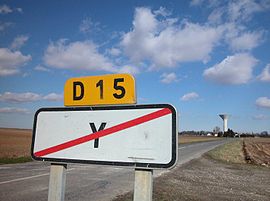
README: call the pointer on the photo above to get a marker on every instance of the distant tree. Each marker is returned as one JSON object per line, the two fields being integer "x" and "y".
{"x": 264, "y": 134}
{"x": 220, "y": 134}
{"x": 202, "y": 133}
{"x": 196, "y": 133}
{"x": 229, "y": 133}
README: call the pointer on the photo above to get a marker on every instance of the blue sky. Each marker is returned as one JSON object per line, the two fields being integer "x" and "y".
{"x": 205, "y": 57}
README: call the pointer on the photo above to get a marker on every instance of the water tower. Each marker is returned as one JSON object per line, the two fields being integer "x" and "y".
{"x": 225, "y": 121}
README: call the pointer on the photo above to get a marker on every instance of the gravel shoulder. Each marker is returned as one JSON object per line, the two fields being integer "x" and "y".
{"x": 209, "y": 179}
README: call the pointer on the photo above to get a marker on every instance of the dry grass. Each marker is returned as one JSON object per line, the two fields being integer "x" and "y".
{"x": 231, "y": 152}
{"x": 15, "y": 143}
{"x": 183, "y": 139}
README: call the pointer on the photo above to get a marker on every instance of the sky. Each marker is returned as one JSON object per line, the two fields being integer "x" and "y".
{"x": 205, "y": 57}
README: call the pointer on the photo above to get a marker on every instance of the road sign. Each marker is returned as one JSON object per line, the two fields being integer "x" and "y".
{"x": 100, "y": 90}
{"x": 142, "y": 136}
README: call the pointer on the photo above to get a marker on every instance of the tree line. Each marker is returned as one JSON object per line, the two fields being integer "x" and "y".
{"x": 230, "y": 133}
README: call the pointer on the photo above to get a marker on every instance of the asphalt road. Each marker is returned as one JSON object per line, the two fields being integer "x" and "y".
{"x": 30, "y": 181}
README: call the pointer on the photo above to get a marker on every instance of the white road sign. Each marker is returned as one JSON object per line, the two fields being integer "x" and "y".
{"x": 143, "y": 136}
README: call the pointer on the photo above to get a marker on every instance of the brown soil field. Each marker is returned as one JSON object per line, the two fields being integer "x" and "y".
{"x": 257, "y": 151}
{"x": 183, "y": 139}
{"x": 15, "y": 142}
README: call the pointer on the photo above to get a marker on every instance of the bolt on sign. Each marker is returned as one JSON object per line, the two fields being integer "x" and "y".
{"x": 140, "y": 136}
{"x": 100, "y": 90}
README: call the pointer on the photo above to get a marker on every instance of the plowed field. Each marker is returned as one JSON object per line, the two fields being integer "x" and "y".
{"x": 257, "y": 151}
{"x": 15, "y": 142}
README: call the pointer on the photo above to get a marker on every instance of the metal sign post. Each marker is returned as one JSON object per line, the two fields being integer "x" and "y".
{"x": 143, "y": 185}
{"x": 57, "y": 182}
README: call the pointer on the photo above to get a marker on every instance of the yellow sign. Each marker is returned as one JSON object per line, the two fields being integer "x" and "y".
{"x": 100, "y": 90}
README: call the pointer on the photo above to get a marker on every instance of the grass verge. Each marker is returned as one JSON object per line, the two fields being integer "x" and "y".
{"x": 22, "y": 159}
{"x": 231, "y": 152}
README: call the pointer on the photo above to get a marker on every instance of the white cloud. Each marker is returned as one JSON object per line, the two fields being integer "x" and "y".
{"x": 239, "y": 38}
{"x": 215, "y": 16}
{"x": 4, "y": 25}
{"x": 163, "y": 12}
{"x": 265, "y": 75}
{"x": 114, "y": 51}
{"x": 196, "y": 2}
{"x": 128, "y": 69}
{"x": 167, "y": 44}
{"x": 85, "y": 25}
{"x": 11, "y": 61}
{"x": 236, "y": 69}
{"x": 143, "y": 26}
{"x": 83, "y": 55}
{"x": 9, "y": 110}
{"x": 236, "y": 11}
{"x": 246, "y": 41}
{"x": 190, "y": 96}
{"x": 232, "y": 17}
{"x": 243, "y": 10}
{"x": 263, "y": 102}
{"x": 88, "y": 26}
{"x": 76, "y": 55}
{"x": 20, "y": 10}
{"x": 4, "y": 9}
{"x": 28, "y": 97}
{"x": 53, "y": 97}
{"x": 168, "y": 78}
{"x": 18, "y": 42}
{"x": 19, "y": 97}
{"x": 42, "y": 68}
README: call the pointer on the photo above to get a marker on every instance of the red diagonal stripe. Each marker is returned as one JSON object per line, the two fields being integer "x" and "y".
{"x": 102, "y": 133}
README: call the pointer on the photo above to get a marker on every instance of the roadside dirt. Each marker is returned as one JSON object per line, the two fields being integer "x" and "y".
{"x": 206, "y": 179}
{"x": 257, "y": 151}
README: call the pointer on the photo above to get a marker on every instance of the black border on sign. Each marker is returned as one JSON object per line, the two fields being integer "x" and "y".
{"x": 174, "y": 156}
